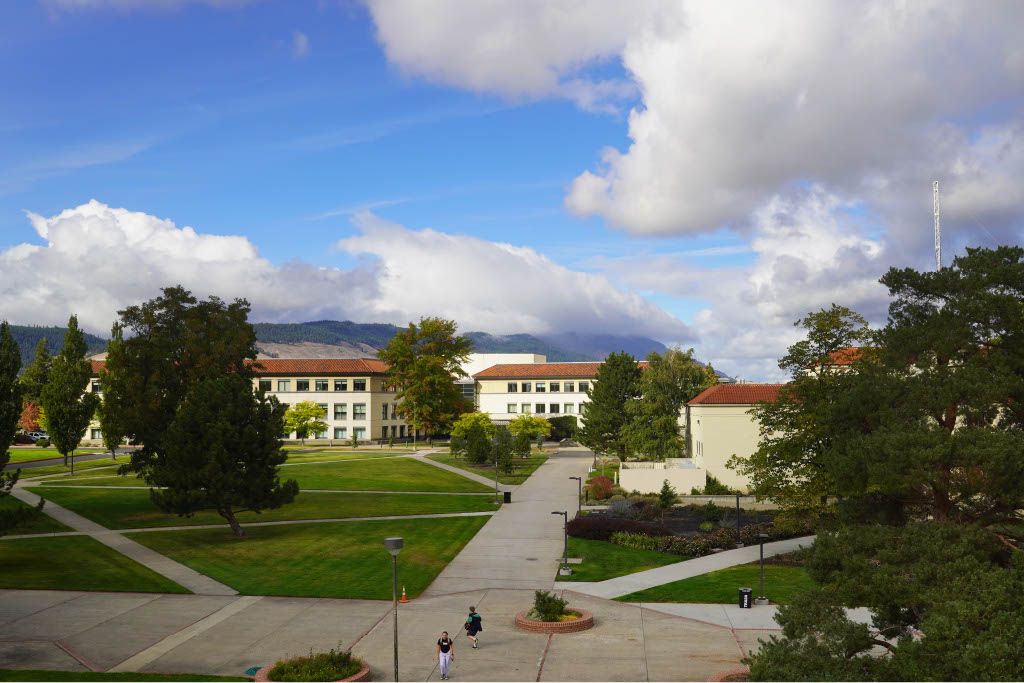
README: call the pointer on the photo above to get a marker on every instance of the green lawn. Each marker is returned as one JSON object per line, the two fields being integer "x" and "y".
{"x": 40, "y": 675}
{"x": 603, "y": 560}
{"x": 318, "y": 456}
{"x": 379, "y": 475}
{"x": 781, "y": 582}
{"x": 131, "y": 508}
{"x": 524, "y": 467}
{"x": 40, "y": 524}
{"x": 80, "y": 466}
{"x": 35, "y": 453}
{"x": 335, "y": 560}
{"x": 75, "y": 563}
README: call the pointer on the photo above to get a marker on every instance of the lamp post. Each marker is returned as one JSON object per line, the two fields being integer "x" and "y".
{"x": 761, "y": 599}
{"x": 394, "y": 545}
{"x": 739, "y": 543}
{"x": 579, "y": 503}
{"x": 565, "y": 536}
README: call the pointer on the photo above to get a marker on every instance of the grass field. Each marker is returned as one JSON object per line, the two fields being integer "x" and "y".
{"x": 781, "y": 583}
{"x": 80, "y": 466}
{"x": 603, "y": 560}
{"x": 29, "y": 453}
{"x": 379, "y": 475}
{"x": 40, "y": 675}
{"x": 524, "y": 467}
{"x": 131, "y": 508}
{"x": 335, "y": 560}
{"x": 75, "y": 563}
{"x": 40, "y": 524}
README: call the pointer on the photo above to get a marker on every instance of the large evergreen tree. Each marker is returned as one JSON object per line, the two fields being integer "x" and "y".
{"x": 604, "y": 415}
{"x": 423, "y": 362}
{"x": 68, "y": 406}
{"x": 160, "y": 350}
{"x": 221, "y": 452}
{"x": 37, "y": 373}
{"x": 920, "y": 446}
{"x": 669, "y": 381}
{"x": 10, "y": 411}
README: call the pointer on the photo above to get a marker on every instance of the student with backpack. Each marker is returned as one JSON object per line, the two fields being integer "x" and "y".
{"x": 474, "y": 624}
{"x": 445, "y": 653}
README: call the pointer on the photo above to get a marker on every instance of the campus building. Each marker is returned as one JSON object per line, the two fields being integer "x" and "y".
{"x": 507, "y": 390}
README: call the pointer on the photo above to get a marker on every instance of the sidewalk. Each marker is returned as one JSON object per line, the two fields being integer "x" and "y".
{"x": 421, "y": 456}
{"x": 519, "y": 547}
{"x": 630, "y": 583}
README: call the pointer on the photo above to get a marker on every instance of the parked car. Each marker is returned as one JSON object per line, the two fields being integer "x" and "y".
{"x": 35, "y": 436}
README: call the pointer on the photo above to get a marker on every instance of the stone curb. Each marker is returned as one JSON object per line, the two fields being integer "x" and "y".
{"x": 263, "y": 675}
{"x": 586, "y": 621}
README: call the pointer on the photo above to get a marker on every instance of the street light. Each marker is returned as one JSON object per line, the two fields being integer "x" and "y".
{"x": 394, "y": 545}
{"x": 565, "y": 537}
{"x": 579, "y": 503}
{"x": 762, "y": 600}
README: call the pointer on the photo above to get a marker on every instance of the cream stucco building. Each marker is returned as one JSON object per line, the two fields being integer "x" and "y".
{"x": 507, "y": 390}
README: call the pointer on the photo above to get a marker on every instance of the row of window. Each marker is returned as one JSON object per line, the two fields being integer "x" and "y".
{"x": 543, "y": 387}
{"x": 318, "y": 385}
{"x": 388, "y": 411}
{"x": 397, "y": 431}
{"x": 542, "y": 409}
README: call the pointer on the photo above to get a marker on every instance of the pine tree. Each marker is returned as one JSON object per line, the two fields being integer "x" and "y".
{"x": 36, "y": 374}
{"x": 68, "y": 406}
{"x": 221, "y": 452}
{"x": 10, "y": 411}
{"x": 604, "y": 415}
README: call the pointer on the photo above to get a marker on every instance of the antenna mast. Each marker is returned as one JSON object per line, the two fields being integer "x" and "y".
{"x": 938, "y": 226}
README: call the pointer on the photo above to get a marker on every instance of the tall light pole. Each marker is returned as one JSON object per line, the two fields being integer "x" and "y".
{"x": 579, "y": 496}
{"x": 761, "y": 599}
{"x": 394, "y": 545}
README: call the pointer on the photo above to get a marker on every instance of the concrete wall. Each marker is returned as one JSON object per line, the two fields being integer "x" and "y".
{"x": 639, "y": 477}
{"x": 719, "y": 432}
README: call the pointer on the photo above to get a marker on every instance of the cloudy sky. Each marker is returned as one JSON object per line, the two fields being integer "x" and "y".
{"x": 701, "y": 173}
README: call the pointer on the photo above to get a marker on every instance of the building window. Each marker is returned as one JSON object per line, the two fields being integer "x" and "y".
{"x": 320, "y": 435}
{"x": 95, "y": 434}
{"x": 539, "y": 408}
{"x": 584, "y": 386}
{"x": 394, "y": 430}
{"x": 359, "y": 433}
{"x": 359, "y": 385}
{"x": 359, "y": 411}
{"x": 512, "y": 387}
{"x": 302, "y": 385}
{"x": 95, "y": 386}
{"x": 555, "y": 386}
{"x": 284, "y": 385}
{"x": 401, "y": 431}
{"x": 394, "y": 411}
{"x": 512, "y": 408}
{"x": 553, "y": 408}
{"x": 526, "y": 387}
{"x": 527, "y": 408}
{"x": 341, "y": 385}
{"x": 570, "y": 386}
{"x": 570, "y": 408}
{"x": 321, "y": 385}
{"x": 264, "y": 385}
{"x": 384, "y": 411}
{"x": 539, "y": 388}
{"x": 340, "y": 411}
{"x": 340, "y": 433}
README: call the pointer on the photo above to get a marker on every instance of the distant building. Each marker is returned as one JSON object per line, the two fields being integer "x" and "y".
{"x": 507, "y": 390}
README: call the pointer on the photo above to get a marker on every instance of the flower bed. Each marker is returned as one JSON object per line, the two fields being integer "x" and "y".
{"x": 578, "y": 620}
{"x": 705, "y": 543}
{"x": 334, "y": 665}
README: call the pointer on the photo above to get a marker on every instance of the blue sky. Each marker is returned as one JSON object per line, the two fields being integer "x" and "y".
{"x": 766, "y": 159}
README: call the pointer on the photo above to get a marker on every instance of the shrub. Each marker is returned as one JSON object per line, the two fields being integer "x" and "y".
{"x": 616, "y": 498}
{"x": 640, "y": 541}
{"x": 322, "y": 666}
{"x": 713, "y": 487}
{"x": 547, "y": 606}
{"x": 563, "y": 427}
{"x": 712, "y": 513}
{"x": 707, "y": 526}
{"x": 43, "y": 442}
{"x": 600, "y": 487}
{"x": 601, "y": 527}
{"x": 622, "y": 508}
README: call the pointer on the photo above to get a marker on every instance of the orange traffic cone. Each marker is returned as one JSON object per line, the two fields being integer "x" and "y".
{"x": 404, "y": 599}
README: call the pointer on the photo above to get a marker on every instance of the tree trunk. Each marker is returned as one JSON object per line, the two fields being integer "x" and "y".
{"x": 229, "y": 514}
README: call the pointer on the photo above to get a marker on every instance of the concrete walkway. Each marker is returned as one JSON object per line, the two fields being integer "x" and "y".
{"x": 519, "y": 547}
{"x": 226, "y": 635}
{"x": 461, "y": 472}
{"x": 165, "y": 566}
{"x": 624, "y": 585}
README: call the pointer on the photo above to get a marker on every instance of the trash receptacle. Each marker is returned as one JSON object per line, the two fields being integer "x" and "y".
{"x": 508, "y": 496}
{"x": 746, "y": 598}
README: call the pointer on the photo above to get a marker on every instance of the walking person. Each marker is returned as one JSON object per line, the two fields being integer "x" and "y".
{"x": 474, "y": 624}
{"x": 445, "y": 653}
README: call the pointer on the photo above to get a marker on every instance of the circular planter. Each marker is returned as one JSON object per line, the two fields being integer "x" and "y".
{"x": 585, "y": 622}
{"x": 263, "y": 675}
{"x": 741, "y": 674}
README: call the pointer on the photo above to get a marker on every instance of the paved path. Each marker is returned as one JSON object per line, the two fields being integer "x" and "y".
{"x": 623, "y": 585}
{"x": 192, "y": 634}
{"x": 165, "y": 566}
{"x": 519, "y": 547}
{"x": 461, "y": 472}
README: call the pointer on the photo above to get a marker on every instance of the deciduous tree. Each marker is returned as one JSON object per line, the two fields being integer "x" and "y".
{"x": 604, "y": 415}
{"x": 30, "y": 418}
{"x": 222, "y": 451}
{"x": 10, "y": 410}
{"x": 530, "y": 425}
{"x": 471, "y": 436}
{"x": 501, "y": 448}
{"x": 304, "y": 418}
{"x": 69, "y": 407}
{"x": 423, "y": 362}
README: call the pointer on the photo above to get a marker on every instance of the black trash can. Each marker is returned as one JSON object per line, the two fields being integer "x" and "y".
{"x": 746, "y": 598}
{"x": 508, "y": 496}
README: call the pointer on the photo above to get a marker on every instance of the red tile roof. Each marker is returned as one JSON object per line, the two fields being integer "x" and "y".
{"x": 305, "y": 366}
{"x": 543, "y": 370}
{"x": 736, "y": 394}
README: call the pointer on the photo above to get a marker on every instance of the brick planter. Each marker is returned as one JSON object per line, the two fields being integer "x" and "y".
{"x": 742, "y": 674}
{"x": 585, "y": 622}
{"x": 263, "y": 675}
